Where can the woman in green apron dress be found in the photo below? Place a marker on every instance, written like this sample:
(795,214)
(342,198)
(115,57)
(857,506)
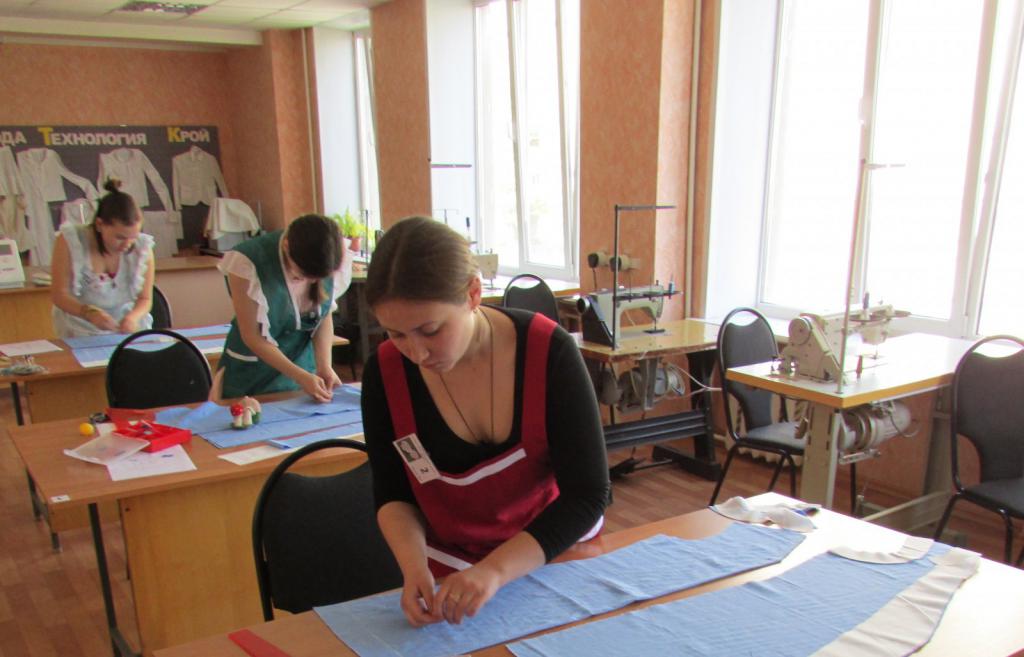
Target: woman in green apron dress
(283,287)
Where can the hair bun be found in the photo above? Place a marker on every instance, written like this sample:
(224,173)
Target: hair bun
(112,185)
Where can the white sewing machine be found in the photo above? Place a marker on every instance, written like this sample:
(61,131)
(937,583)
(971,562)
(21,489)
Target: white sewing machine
(601,311)
(815,341)
(488,265)
(11,272)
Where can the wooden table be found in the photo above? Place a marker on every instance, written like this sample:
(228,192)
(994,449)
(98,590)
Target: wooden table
(26,310)
(696,340)
(982,619)
(910,364)
(187,535)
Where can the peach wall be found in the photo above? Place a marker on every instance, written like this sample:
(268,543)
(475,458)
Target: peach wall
(292,121)
(402,108)
(707,73)
(673,149)
(620,62)
(80,85)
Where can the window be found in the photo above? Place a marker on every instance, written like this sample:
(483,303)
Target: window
(527,133)
(367,132)
(912,101)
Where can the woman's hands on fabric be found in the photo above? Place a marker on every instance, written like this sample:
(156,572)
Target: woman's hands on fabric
(464,593)
(329,377)
(418,599)
(101,320)
(315,387)
(129,324)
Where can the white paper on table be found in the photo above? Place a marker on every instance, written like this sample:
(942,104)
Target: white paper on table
(253,454)
(28,348)
(149,464)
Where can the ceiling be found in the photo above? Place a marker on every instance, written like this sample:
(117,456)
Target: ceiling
(218,22)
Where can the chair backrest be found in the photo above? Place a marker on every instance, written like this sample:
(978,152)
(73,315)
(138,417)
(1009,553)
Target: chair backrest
(161,310)
(316,540)
(152,374)
(746,344)
(988,409)
(537,297)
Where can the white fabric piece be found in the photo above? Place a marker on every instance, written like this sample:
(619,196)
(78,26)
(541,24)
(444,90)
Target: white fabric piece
(908,621)
(161,225)
(788,516)
(913,548)
(12,202)
(42,173)
(79,212)
(195,177)
(241,266)
(230,215)
(133,168)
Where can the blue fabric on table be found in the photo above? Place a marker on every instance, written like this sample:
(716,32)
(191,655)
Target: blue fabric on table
(342,431)
(560,593)
(114,339)
(793,614)
(279,419)
(100,356)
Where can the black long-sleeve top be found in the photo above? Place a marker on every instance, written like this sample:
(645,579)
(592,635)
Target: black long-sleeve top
(576,445)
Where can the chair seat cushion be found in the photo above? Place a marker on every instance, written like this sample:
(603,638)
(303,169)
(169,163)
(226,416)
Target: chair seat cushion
(1003,493)
(780,434)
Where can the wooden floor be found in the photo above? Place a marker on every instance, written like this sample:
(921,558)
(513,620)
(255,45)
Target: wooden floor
(50,603)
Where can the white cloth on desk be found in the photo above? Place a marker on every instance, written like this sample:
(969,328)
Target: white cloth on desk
(230,215)
(789,516)
(196,176)
(42,175)
(912,547)
(133,168)
(79,212)
(163,227)
(908,621)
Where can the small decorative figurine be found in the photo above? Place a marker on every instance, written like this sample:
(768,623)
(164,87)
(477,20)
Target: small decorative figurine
(245,413)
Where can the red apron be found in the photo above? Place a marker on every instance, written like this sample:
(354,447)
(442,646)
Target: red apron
(471,513)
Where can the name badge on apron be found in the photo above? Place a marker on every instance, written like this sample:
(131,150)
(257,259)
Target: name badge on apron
(416,458)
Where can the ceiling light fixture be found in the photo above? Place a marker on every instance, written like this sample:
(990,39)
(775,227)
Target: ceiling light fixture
(163,7)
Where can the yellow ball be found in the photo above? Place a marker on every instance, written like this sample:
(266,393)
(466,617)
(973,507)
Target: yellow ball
(86,429)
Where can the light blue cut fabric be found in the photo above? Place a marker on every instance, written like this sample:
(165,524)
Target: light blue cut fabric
(99,356)
(114,339)
(277,419)
(793,614)
(343,431)
(560,593)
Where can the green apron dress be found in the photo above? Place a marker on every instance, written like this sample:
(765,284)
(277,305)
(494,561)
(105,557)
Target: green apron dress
(244,372)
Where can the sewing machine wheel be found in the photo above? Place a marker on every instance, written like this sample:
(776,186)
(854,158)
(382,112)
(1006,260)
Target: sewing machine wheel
(799,330)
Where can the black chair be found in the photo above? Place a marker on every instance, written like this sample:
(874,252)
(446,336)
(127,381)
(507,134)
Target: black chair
(161,310)
(152,374)
(988,410)
(746,344)
(537,297)
(316,540)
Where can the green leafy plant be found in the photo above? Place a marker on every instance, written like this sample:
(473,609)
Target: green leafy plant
(349,224)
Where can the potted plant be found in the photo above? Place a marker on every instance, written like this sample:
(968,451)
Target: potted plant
(352,228)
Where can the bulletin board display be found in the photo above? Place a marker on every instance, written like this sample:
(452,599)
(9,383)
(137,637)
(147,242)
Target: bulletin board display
(80,147)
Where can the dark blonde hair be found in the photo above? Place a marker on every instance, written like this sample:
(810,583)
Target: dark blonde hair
(420,259)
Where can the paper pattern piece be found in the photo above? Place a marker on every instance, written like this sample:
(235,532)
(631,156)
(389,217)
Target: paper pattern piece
(282,419)
(791,515)
(253,454)
(350,430)
(793,614)
(114,339)
(100,356)
(149,464)
(28,348)
(560,593)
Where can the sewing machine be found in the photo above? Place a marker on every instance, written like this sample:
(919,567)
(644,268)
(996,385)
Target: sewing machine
(815,341)
(488,265)
(601,311)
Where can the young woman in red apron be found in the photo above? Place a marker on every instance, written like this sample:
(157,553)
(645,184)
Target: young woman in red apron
(482,427)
